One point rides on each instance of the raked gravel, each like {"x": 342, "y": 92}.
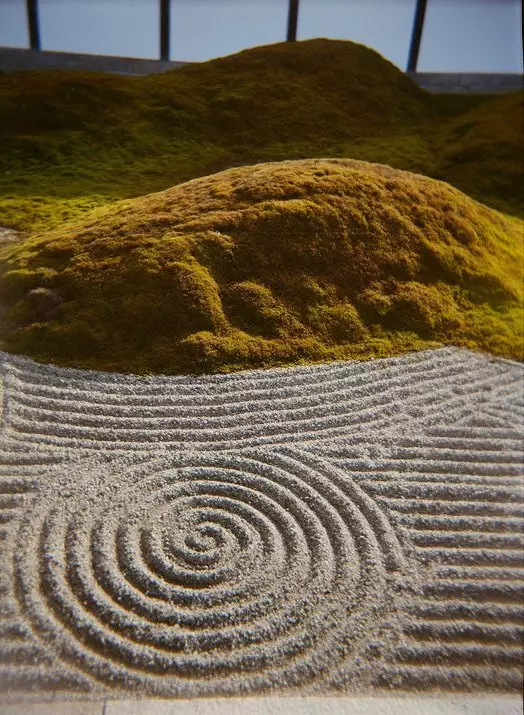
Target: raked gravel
{"x": 347, "y": 528}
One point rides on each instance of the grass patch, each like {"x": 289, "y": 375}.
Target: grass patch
{"x": 268, "y": 265}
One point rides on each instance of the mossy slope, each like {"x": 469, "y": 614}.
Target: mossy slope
{"x": 75, "y": 140}
{"x": 266, "y": 265}
{"x": 482, "y": 151}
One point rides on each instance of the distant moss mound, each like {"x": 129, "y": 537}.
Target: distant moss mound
{"x": 267, "y": 265}
{"x": 482, "y": 152}
{"x": 71, "y": 141}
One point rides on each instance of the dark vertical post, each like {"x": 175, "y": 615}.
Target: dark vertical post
{"x": 416, "y": 36}
{"x": 522, "y": 30}
{"x": 32, "y": 23}
{"x": 165, "y": 6}
{"x": 292, "y": 21}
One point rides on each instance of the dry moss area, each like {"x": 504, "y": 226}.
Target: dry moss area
{"x": 267, "y": 265}
{"x": 74, "y": 140}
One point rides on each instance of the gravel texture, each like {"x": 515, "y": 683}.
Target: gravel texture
{"x": 342, "y": 528}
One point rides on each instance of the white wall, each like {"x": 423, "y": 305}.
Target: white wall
{"x": 13, "y": 26}
{"x": 472, "y": 36}
{"x": 111, "y": 27}
{"x": 384, "y": 25}
{"x": 202, "y": 29}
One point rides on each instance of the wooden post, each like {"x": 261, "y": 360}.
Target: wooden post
{"x": 292, "y": 21}
{"x": 165, "y": 6}
{"x": 416, "y": 35}
{"x": 32, "y": 23}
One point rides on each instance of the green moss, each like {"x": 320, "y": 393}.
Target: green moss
{"x": 337, "y": 323}
{"x": 482, "y": 151}
{"x": 426, "y": 310}
{"x": 73, "y": 140}
{"x": 253, "y": 308}
{"x": 38, "y": 213}
{"x": 409, "y": 150}
{"x": 268, "y": 265}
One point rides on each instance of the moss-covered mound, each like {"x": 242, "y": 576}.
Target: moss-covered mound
{"x": 266, "y": 265}
{"x": 482, "y": 152}
{"x": 74, "y": 140}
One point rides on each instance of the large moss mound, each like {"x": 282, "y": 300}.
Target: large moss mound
{"x": 75, "y": 140}
{"x": 264, "y": 265}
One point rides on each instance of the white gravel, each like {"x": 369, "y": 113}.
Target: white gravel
{"x": 341, "y": 528}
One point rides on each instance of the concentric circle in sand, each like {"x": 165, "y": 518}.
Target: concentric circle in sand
{"x": 209, "y": 571}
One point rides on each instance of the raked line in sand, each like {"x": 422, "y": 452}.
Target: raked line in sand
{"x": 342, "y": 528}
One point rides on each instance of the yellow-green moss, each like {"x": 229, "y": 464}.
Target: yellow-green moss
{"x": 482, "y": 152}
{"x": 253, "y": 308}
{"x": 337, "y": 324}
{"x": 267, "y": 265}
{"x": 74, "y": 140}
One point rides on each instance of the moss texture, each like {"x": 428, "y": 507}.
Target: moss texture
{"x": 72, "y": 141}
{"x": 267, "y": 265}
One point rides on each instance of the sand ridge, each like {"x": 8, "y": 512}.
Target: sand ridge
{"x": 339, "y": 528}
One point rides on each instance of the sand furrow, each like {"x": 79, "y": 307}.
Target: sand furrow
{"x": 423, "y": 678}
{"x": 458, "y": 507}
{"x": 455, "y": 435}
{"x": 447, "y": 476}
{"x": 156, "y": 410}
{"x": 281, "y": 378}
{"x": 347, "y": 527}
{"x": 464, "y": 654}
{"x": 481, "y": 613}
{"x": 481, "y": 557}
{"x": 469, "y": 539}
{"x": 199, "y": 393}
{"x": 482, "y": 573}
{"x": 457, "y": 589}
{"x": 389, "y": 397}
{"x": 454, "y": 523}
{"x": 455, "y": 631}
{"x": 21, "y": 681}
{"x": 444, "y": 490}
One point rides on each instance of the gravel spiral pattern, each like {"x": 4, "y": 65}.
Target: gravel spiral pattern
{"x": 348, "y": 527}
{"x": 215, "y": 567}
